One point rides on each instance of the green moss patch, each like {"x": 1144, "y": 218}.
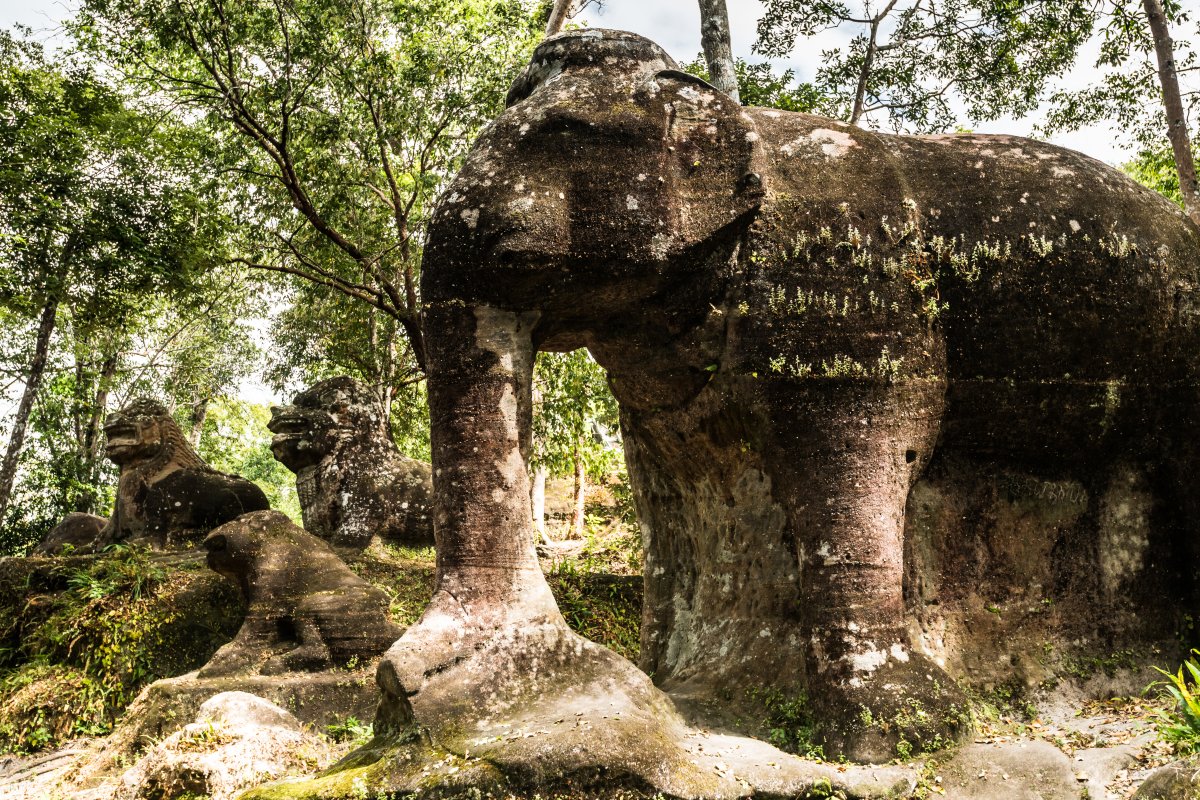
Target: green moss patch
{"x": 79, "y": 638}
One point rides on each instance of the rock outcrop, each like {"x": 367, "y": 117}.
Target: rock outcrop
{"x": 78, "y": 532}
{"x": 237, "y": 741}
{"x": 166, "y": 495}
{"x": 354, "y": 484}
{"x": 1179, "y": 780}
{"x": 305, "y": 610}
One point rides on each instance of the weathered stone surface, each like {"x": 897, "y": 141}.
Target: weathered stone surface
{"x": 354, "y": 484}
{"x": 1178, "y": 781}
{"x": 166, "y": 706}
{"x": 166, "y": 495}
{"x": 78, "y": 531}
{"x": 1017, "y": 771}
{"x": 237, "y": 741}
{"x": 306, "y": 611}
{"x": 800, "y": 319}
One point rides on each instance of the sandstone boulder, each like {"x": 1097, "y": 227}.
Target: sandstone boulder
{"x": 237, "y": 741}
{"x": 306, "y": 611}
{"x": 77, "y": 531}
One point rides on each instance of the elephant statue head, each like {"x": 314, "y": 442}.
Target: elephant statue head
{"x": 802, "y": 321}
{"x": 532, "y": 211}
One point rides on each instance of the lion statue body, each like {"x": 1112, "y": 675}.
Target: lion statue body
{"x": 306, "y": 611}
{"x": 353, "y": 482}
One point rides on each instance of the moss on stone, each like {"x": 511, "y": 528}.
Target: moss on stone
{"x": 80, "y": 637}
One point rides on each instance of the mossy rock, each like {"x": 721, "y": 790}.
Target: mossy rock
{"x": 82, "y": 636}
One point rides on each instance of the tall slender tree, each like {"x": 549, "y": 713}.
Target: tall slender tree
{"x": 717, "y": 43}
{"x": 560, "y": 12}
{"x": 718, "y": 46}
{"x": 91, "y": 207}
{"x": 1177, "y": 124}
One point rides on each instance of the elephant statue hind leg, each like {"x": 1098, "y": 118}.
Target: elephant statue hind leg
{"x": 845, "y": 453}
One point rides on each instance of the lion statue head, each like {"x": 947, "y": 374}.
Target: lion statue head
{"x": 144, "y": 431}
{"x": 321, "y": 418}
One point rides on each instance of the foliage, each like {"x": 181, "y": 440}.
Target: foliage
{"x": 1128, "y": 92}
{"x": 575, "y": 415}
{"x": 194, "y": 347}
{"x": 350, "y": 730}
{"x": 79, "y": 643}
{"x": 910, "y": 62}
{"x": 406, "y": 574}
{"x": 105, "y": 227}
{"x": 759, "y": 86}
{"x": 1181, "y": 725}
{"x": 337, "y": 119}
{"x": 788, "y": 721}
{"x": 604, "y": 608}
{"x": 235, "y": 439}
{"x": 1155, "y": 169}
{"x": 93, "y": 210}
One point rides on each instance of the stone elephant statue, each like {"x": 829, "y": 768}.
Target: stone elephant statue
{"x": 798, "y": 317}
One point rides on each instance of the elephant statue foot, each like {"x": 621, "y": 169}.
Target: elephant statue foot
{"x": 903, "y": 705}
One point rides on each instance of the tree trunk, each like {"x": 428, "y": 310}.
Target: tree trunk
{"x": 559, "y": 15}
{"x": 718, "y": 49}
{"x": 860, "y": 92}
{"x": 580, "y": 494}
{"x": 538, "y": 499}
{"x": 89, "y": 453}
{"x": 388, "y": 374}
{"x": 198, "y": 415}
{"x": 1177, "y": 127}
{"x": 37, "y": 370}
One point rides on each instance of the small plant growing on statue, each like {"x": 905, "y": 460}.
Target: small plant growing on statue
{"x": 350, "y": 730}
{"x": 788, "y": 722}
{"x": 1181, "y": 725}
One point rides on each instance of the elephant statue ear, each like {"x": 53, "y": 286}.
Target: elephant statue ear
{"x": 712, "y": 162}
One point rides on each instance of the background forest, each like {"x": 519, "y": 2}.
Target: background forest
{"x": 217, "y": 203}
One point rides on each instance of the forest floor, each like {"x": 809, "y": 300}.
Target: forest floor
{"x": 77, "y": 642}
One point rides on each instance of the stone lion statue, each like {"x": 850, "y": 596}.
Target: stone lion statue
{"x": 166, "y": 494}
{"x": 306, "y": 611}
{"x": 353, "y": 482}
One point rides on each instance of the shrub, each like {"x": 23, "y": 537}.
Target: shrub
{"x": 1180, "y": 725}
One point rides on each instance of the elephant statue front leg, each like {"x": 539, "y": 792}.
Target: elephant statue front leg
{"x": 849, "y": 450}
{"x": 491, "y": 668}
{"x": 488, "y": 577}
